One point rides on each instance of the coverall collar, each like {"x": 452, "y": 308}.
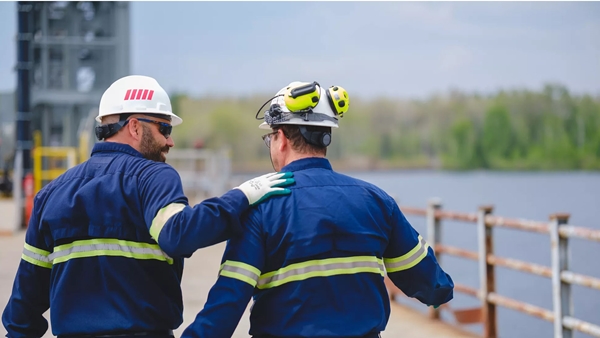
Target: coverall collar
{"x": 308, "y": 163}
{"x": 111, "y": 147}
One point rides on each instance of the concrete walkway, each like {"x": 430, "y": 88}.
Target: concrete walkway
{"x": 200, "y": 274}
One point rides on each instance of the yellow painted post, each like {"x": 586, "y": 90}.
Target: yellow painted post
{"x": 37, "y": 161}
{"x": 83, "y": 147}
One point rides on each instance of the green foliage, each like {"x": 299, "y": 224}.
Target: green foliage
{"x": 465, "y": 151}
{"x": 498, "y": 139}
{"x": 546, "y": 130}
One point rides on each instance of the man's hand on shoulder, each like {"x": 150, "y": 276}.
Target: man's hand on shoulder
{"x": 261, "y": 188}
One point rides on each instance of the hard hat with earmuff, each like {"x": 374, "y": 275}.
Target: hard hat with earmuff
{"x": 307, "y": 104}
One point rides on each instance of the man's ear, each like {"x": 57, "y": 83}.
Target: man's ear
{"x": 284, "y": 142}
{"x": 134, "y": 129}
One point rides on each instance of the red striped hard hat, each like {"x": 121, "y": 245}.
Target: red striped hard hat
{"x": 136, "y": 94}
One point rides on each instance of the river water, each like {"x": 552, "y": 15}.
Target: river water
{"x": 528, "y": 195}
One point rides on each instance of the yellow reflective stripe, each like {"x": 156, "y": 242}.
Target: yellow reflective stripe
{"x": 408, "y": 260}
{"x": 321, "y": 268}
{"x": 36, "y": 262}
{"x": 108, "y": 247}
{"x": 162, "y": 216}
{"x": 410, "y": 264}
{"x": 241, "y": 265}
{"x": 241, "y": 271}
{"x": 105, "y": 241}
{"x": 97, "y": 253}
{"x": 239, "y": 276}
{"x": 406, "y": 255}
{"x": 36, "y": 256}
{"x": 36, "y": 250}
{"x": 321, "y": 262}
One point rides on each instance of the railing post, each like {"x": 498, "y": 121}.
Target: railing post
{"x": 561, "y": 291}
{"x": 487, "y": 280}
{"x": 433, "y": 238}
{"x": 71, "y": 158}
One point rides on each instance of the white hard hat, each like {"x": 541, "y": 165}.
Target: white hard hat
{"x": 308, "y": 104}
{"x": 136, "y": 94}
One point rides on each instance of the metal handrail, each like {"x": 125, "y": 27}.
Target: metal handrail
{"x": 562, "y": 278}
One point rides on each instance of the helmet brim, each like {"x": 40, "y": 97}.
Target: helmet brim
{"x": 300, "y": 122}
{"x": 175, "y": 120}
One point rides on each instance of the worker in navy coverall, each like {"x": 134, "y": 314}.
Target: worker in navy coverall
{"x": 314, "y": 262}
{"x": 106, "y": 240}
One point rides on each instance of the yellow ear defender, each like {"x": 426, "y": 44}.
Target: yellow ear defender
{"x": 302, "y": 97}
{"x": 338, "y": 99}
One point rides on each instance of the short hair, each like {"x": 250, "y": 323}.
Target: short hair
{"x": 110, "y": 119}
{"x": 298, "y": 142}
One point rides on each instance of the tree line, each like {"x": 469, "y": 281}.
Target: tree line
{"x": 550, "y": 129}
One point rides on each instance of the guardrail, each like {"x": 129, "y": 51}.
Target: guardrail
{"x": 50, "y": 162}
{"x": 204, "y": 172}
{"x": 562, "y": 278}
{"x": 59, "y": 160}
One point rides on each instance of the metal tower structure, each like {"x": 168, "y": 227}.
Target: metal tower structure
{"x": 68, "y": 53}
{"x": 78, "y": 49}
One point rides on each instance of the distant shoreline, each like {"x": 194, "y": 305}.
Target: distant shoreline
{"x": 256, "y": 167}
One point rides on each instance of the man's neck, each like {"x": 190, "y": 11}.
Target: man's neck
{"x": 299, "y": 156}
{"x": 118, "y": 139}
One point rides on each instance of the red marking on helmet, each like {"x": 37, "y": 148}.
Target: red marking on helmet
{"x": 138, "y": 94}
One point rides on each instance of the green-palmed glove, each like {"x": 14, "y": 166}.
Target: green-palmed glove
{"x": 260, "y": 188}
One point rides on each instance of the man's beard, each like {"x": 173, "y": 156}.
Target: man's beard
{"x": 150, "y": 148}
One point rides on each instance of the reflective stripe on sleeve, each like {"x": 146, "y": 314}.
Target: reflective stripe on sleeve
{"x": 408, "y": 260}
{"x": 322, "y": 268}
{"x": 241, "y": 271}
{"x": 36, "y": 256}
{"x": 108, "y": 247}
{"x": 162, "y": 216}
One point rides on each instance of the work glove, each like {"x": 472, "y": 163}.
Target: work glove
{"x": 260, "y": 188}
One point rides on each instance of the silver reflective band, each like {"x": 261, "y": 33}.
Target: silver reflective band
{"x": 322, "y": 268}
{"x": 108, "y": 247}
{"x": 36, "y": 256}
{"x": 241, "y": 271}
{"x": 408, "y": 260}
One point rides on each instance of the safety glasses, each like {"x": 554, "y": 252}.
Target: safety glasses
{"x": 267, "y": 138}
{"x": 164, "y": 128}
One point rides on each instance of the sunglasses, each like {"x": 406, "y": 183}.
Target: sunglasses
{"x": 267, "y": 138}
{"x": 164, "y": 128}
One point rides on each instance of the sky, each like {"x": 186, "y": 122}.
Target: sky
{"x": 394, "y": 49}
